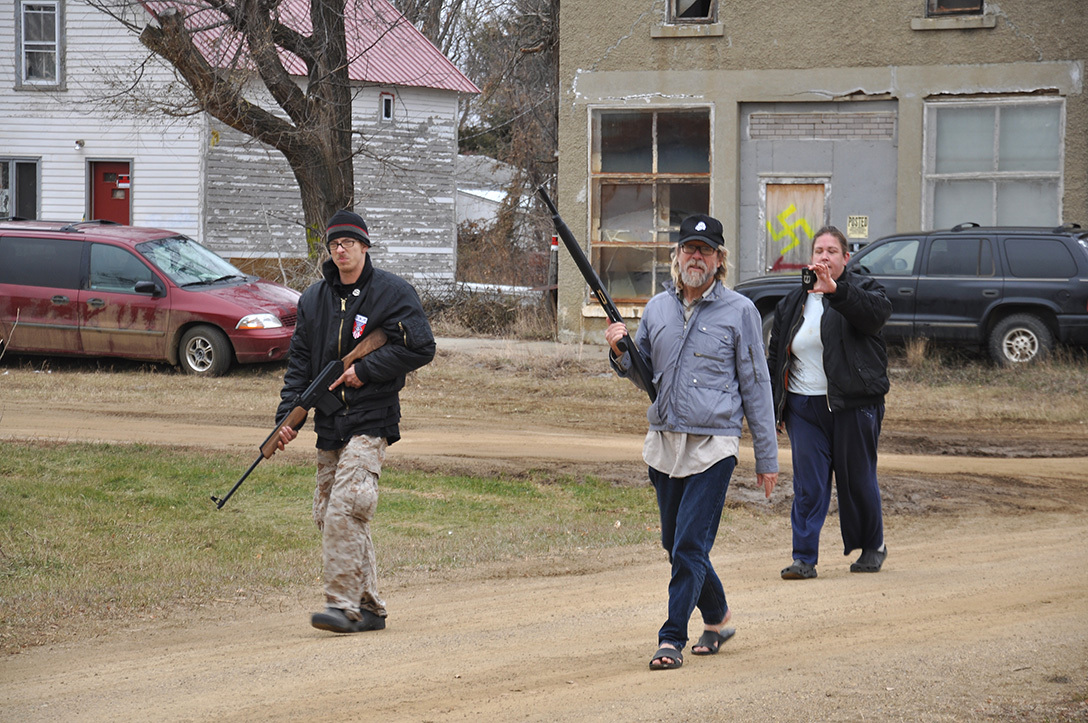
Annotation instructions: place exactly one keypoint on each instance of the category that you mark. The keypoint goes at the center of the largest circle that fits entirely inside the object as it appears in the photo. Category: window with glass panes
(994, 163)
(39, 42)
(650, 170)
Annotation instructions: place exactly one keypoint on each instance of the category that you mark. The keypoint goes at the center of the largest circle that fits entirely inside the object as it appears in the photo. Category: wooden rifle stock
(627, 344)
(305, 401)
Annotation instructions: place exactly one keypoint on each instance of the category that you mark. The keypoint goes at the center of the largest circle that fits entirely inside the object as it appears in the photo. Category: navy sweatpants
(840, 444)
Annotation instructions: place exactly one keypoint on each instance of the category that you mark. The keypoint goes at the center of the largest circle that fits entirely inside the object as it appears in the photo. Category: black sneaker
(336, 620)
(799, 571)
(870, 561)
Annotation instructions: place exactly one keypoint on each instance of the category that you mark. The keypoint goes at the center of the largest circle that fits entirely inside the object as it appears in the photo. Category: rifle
(316, 395)
(627, 344)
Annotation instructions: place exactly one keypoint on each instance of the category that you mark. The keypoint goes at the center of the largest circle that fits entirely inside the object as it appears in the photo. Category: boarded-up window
(794, 212)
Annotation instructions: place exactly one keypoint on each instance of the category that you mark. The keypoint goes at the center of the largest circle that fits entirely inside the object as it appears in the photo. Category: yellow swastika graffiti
(789, 230)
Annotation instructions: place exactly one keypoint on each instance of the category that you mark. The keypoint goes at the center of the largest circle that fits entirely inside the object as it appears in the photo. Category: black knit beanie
(346, 223)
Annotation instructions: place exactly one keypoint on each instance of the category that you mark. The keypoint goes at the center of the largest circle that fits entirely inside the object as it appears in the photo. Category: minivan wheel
(204, 351)
(1019, 339)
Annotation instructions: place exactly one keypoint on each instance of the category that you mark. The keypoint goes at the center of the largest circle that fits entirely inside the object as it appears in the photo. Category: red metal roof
(383, 47)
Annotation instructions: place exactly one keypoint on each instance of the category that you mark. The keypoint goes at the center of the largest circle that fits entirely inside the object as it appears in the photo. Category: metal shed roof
(383, 47)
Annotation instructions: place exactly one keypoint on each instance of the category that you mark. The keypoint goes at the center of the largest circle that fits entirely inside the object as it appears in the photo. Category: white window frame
(386, 106)
(930, 178)
(23, 46)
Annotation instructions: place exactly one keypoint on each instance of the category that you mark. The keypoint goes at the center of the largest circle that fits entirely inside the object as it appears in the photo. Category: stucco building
(780, 117)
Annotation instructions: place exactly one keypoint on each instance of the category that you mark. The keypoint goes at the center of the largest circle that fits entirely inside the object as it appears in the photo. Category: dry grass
(562, 385)
(931, 386)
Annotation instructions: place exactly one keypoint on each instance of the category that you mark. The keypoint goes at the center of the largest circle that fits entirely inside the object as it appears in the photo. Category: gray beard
(693, 277)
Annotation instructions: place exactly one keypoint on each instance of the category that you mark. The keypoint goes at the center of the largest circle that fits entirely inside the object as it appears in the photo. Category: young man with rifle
(703, 345)
(352, 301)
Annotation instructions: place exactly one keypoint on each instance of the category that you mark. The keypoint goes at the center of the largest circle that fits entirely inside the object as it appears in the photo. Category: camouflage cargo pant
(345, 498)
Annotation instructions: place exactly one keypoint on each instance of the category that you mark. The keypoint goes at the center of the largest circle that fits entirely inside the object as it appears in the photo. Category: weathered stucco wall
(817, 51)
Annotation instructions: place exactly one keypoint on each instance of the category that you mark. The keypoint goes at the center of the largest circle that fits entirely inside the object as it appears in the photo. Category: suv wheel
(1020, 338)
(204, 351)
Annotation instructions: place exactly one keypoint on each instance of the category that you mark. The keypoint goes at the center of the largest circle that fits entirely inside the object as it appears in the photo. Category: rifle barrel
(220, 502)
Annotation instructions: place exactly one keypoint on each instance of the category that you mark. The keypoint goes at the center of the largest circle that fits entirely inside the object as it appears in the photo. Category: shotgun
(627, 344)
(316, 395)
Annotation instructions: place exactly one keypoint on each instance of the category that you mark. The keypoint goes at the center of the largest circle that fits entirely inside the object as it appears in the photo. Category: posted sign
(857, 227)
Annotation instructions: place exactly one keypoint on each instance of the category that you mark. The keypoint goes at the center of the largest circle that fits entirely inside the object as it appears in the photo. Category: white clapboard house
(77, 142)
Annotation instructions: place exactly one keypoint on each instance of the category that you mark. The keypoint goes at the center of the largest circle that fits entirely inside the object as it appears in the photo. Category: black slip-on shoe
(799, 571)
(870, 560)
(336, 620)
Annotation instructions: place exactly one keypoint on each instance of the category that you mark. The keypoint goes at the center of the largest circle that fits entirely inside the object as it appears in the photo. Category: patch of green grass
(100, 532)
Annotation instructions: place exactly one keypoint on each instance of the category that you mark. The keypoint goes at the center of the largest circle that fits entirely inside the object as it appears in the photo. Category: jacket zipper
(339, 345)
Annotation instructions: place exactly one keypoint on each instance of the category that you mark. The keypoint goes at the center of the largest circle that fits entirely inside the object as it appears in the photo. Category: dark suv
(1013, 290)
(101, 289)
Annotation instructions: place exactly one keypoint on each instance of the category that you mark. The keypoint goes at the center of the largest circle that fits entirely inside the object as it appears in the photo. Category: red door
(110, 187)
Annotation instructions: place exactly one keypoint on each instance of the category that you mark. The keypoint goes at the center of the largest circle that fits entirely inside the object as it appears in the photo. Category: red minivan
(105, 290)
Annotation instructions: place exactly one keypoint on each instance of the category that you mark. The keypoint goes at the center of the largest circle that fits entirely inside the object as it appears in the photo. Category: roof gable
(384, 48)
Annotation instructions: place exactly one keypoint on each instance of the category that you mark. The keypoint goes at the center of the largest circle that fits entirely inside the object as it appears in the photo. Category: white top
(807, 352)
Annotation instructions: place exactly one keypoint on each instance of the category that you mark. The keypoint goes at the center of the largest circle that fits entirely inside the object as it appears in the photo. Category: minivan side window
(115, 269)
(1039, 258)
(50, 262)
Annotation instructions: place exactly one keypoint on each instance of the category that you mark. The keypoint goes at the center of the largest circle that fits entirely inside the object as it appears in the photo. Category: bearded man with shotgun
(703, 345)
(352, 301)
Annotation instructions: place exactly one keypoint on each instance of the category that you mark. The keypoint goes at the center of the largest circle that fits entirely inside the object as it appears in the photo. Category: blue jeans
(691, 509)
(840, 444)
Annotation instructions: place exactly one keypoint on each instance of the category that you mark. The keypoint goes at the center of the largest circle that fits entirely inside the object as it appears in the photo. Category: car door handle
(906, 292)
(58, 299)
(95, 303)
(990, 293)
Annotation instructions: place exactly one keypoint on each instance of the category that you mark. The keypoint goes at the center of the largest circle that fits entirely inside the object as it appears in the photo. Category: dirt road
(980, 614)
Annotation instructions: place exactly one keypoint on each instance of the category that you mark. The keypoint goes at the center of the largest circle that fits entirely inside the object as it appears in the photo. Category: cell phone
(808, 279)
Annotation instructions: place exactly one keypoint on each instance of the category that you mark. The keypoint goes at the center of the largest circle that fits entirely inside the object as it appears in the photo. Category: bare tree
(228, 52)
(515, 62)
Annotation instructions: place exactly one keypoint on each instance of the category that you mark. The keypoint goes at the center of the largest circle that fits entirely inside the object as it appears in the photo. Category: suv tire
(1020, 339)
(204, 351)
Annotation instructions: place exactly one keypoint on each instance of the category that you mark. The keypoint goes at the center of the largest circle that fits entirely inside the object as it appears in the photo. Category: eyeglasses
(703, 250)
(344, 243)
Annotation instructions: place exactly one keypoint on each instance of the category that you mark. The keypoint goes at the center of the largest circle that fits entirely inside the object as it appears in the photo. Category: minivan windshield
(187, 263)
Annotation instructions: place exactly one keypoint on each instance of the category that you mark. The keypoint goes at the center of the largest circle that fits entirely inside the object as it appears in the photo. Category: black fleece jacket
(855, 356)
(328, 315)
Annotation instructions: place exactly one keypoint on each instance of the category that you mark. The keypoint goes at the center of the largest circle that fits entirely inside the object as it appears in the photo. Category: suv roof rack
(1067, 227)
(962, 226)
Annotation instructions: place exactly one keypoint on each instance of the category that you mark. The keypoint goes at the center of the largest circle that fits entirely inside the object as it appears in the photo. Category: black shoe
(870, 561)
(799, 571)
(336, 621)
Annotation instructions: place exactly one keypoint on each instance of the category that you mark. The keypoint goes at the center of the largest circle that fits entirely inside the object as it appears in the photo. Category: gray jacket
(710, 371)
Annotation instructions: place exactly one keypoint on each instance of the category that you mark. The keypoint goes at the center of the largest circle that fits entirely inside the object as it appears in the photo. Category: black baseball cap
(701, 227)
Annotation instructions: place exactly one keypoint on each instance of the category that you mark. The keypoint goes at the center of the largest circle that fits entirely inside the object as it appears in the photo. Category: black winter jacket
(328, 313)
(855, 356)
